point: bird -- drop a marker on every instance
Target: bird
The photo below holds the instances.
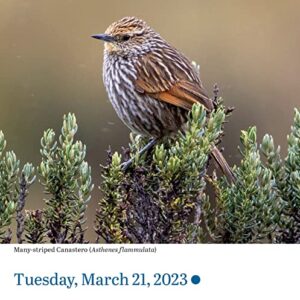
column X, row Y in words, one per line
column 152, row 86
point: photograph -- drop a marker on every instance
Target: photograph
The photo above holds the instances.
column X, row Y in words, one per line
column 149, row 149
column 149, row 122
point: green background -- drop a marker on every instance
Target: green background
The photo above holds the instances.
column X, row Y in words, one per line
column 49, row 66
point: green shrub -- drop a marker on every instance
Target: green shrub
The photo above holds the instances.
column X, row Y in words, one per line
column 163, row 197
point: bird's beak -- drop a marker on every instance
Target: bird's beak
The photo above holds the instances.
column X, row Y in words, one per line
column 104, row 37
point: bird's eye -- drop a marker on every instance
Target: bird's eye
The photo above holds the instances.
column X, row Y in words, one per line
column 125, row 37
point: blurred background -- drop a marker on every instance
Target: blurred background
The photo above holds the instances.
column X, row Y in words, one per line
column 50, row 66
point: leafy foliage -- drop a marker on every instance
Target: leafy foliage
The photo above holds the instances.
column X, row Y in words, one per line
column 164, row 196
column 248, row 210
column 9, row 169
column 35, row 227
column 26, row 180
column 287, row 179
column 67, row 178
column 159, row 198
column 13, row 189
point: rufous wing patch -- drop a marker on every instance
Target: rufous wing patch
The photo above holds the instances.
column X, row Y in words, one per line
column 183, row 94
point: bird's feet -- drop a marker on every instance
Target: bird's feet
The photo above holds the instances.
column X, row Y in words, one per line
column 125, row 165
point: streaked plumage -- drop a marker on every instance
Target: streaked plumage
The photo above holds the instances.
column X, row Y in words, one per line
column 150, row 84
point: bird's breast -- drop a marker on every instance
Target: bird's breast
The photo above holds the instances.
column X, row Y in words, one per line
column 141, row 113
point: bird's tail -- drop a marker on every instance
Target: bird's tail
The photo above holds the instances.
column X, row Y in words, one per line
column 221, row 161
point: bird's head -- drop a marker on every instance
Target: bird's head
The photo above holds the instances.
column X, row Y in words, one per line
column 127, row 37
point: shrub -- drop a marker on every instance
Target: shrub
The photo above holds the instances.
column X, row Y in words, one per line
column 163, row 196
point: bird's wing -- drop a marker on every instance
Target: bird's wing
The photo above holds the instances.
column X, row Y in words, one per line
column 171, row 78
